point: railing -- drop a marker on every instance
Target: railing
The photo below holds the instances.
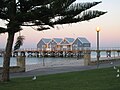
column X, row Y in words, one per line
column 92, row 49
column 2, row 50
column 106, row 48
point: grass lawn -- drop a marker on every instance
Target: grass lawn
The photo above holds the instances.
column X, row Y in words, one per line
column 99, row 79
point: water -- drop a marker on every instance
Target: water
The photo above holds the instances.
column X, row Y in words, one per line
column 103, row 54
column 34, row 60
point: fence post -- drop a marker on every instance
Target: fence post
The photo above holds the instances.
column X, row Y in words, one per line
column 87, row 57
column 21, row 62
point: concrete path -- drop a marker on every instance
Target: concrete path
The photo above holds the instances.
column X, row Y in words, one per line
column 62, row 69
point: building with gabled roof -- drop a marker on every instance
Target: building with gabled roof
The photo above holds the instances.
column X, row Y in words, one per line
column 83, row 40
column 81, row 43
column 54, row 44
column 43, row 44
column 66, row 44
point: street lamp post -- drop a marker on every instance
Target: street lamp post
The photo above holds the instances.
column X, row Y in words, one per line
column 98, row 52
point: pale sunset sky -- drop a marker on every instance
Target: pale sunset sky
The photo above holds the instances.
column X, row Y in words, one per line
column 109, row 24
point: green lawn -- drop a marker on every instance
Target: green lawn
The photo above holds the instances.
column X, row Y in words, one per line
column 99, row 79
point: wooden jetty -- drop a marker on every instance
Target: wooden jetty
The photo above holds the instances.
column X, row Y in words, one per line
column 34, row 52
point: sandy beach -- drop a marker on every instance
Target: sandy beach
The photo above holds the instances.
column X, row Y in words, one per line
column 55, row 64
column 61, row 63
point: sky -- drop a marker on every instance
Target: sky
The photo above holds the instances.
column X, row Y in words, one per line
column 108, row 23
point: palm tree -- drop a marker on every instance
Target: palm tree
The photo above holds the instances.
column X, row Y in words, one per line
column 41, row 13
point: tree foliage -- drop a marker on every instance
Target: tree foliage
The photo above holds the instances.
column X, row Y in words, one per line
column 41, row 13
column 44, row 13
column 19, row 42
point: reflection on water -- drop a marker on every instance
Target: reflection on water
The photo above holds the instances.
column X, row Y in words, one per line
column 35, row 60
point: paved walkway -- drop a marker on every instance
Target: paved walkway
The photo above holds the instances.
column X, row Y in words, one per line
column 54, row 70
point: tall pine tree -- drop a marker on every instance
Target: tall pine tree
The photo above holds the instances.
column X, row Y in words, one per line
column 41, row 13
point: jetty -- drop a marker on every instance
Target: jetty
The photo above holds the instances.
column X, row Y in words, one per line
column 84, row 55
column 35, row 52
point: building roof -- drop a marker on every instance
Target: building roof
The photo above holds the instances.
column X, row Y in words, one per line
column 70, row 40
column 46, row 40
column 83, row 40
column 57, row 40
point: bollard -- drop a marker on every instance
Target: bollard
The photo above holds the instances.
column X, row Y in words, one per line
column 87, row 57
column 21, row 62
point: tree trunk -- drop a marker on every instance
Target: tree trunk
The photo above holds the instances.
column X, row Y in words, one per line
column 7, row 55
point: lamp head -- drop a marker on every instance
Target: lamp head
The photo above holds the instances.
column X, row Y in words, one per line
column 98, row 29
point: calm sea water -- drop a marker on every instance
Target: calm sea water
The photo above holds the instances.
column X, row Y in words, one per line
column 35, row 60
